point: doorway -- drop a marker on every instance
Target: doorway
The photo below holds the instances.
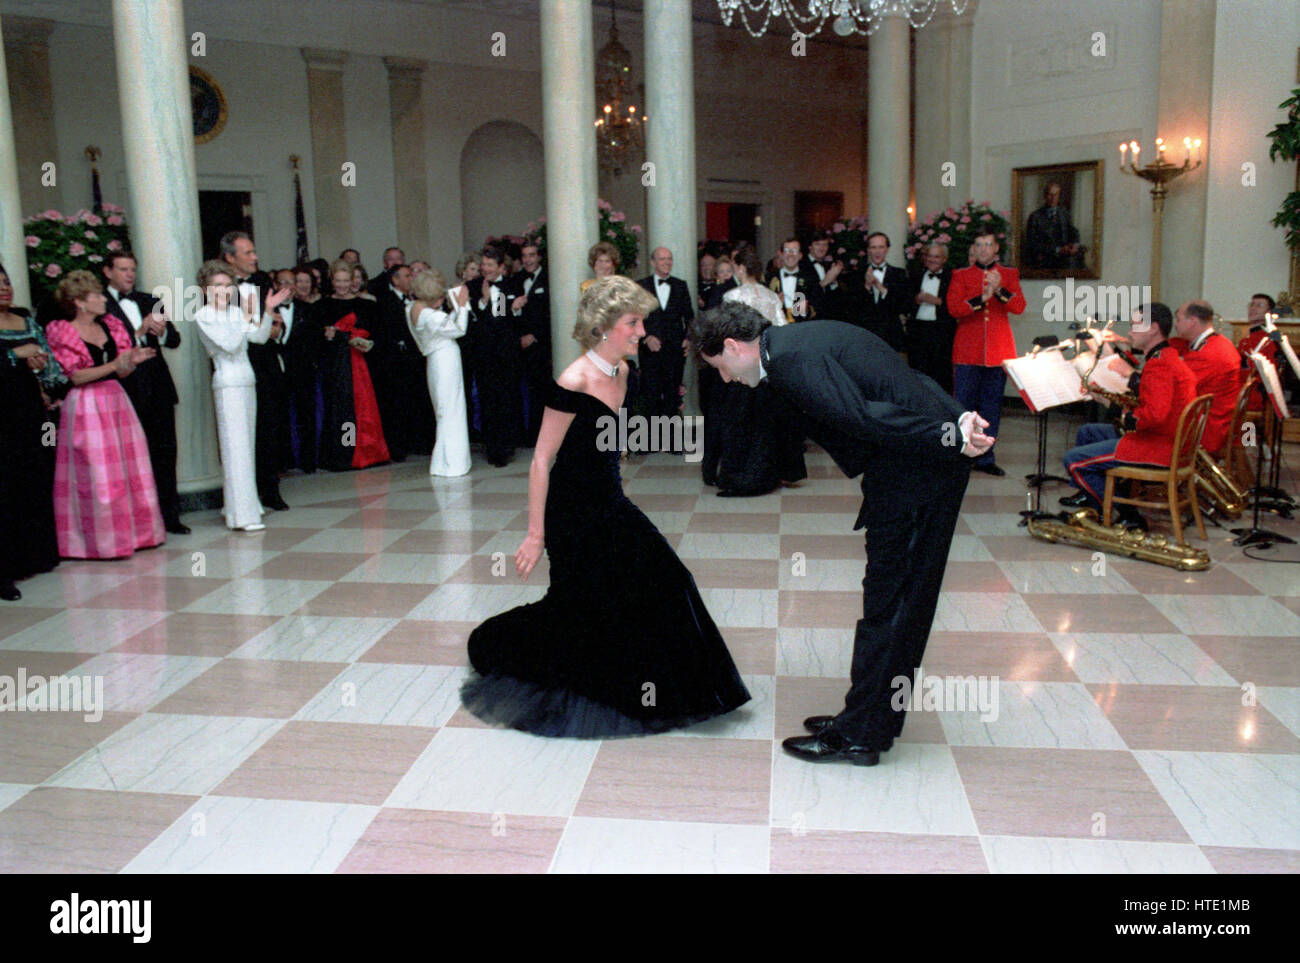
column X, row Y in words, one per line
column 731, row 222
column 221, row 212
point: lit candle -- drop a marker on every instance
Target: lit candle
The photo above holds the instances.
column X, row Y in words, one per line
column 1123, row 153
column 1197, row 144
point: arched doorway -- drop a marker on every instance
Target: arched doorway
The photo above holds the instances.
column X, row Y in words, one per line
column 502, row 181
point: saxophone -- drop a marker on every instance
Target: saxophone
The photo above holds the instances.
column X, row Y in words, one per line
column 1081, row 527
column 1218, row 487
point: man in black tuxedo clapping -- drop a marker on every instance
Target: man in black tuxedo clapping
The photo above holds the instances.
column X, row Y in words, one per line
column 150, row 387
column 661, row 355
column 530, row 304
column 931, row 328
column 886, row 293
column 497, row 359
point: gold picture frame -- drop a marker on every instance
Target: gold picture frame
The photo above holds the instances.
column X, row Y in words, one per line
column 1081, row 185
column 207, row 105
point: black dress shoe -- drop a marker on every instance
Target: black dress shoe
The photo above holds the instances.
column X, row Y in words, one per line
column 178, row 528
column 275, row 504
column 829, row 746
column 1077, row 500
column 9, row 591
column 993, row 470
column 816, row 724
column 1130, row 517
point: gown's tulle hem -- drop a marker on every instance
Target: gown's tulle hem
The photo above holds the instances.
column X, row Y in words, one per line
column 562, row 713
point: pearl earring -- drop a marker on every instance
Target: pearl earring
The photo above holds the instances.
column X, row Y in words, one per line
column 604, row 337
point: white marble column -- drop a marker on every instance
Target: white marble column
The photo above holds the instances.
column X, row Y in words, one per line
column 670, row 146
column 569, row 139
column 13, row 252
column 888, row 147
column 154, row 92
column 31, row 102
column 329, row 149
column 943, row 79
column 410, row 171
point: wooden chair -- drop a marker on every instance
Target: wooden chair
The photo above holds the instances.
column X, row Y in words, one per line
column 1236, row 462
column 1179, row 479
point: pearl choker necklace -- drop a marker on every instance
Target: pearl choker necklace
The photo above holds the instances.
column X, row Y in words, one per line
column 602, row 364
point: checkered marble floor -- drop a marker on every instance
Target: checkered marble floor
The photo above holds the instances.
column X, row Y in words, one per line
column 287, row 702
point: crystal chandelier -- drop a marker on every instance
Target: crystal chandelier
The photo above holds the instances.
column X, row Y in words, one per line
column 849, row 16
column 620, row 128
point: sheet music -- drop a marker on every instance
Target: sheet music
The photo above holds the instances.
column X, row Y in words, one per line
column 1045, row 381
column 1111, row 374
column 1272, row 383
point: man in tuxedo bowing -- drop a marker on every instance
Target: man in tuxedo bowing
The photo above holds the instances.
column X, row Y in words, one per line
column 886, row 294
column 497, row 361
column 912, row 445
column 150, row 387
column 930, row 329
column 982, row 297
column 661, row 357
column 530, row 304
column 271, row 439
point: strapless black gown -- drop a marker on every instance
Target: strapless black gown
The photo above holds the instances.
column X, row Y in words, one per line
column 622, row 644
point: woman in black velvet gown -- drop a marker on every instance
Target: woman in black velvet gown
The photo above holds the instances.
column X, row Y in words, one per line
column 622, row 644
column 27, row 370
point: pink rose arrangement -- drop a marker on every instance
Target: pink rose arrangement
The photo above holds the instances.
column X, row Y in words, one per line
column 613, row 228
column 57, row 243
column 957, row 228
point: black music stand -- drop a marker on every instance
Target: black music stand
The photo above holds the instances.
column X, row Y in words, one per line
column 1282, row 506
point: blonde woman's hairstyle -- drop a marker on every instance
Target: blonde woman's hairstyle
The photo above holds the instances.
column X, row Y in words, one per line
column 465, row 261
column 211, row 269
column 429, row 286
column 607, row 249
column 605, row 302
column 73, row 288
column 337, row 265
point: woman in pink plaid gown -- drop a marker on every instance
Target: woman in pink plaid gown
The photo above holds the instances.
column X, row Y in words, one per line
column 105, row 502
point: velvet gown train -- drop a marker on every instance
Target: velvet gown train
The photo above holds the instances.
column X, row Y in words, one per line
column 622, row 644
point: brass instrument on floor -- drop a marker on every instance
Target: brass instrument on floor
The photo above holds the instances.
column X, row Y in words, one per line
column 1081, row 527
column 1218, row 486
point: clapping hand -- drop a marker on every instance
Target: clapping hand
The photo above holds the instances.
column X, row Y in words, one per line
column 979, row 442
column 155, row 324
column 518, row 303
column 653, row 343
column 462, row 295
column 329, row 332
column 527, row 555
column 277, row 298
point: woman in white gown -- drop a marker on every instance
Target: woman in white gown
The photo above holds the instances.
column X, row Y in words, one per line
column 761, row 445
column 226, row 332
column 437, row 317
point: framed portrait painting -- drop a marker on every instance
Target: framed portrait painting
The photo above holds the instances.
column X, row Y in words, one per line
column 1056, row 220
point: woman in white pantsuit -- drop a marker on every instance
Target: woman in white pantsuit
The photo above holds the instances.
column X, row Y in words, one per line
column 226, row 331
column 437, row 318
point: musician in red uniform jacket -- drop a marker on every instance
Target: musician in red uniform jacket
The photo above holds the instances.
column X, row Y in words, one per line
column 980, row 298
column 1257, row 339
column 1167, row 386
column 1216, row 363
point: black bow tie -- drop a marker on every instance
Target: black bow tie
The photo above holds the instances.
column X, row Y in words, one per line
column 661, row 281
column 930, row 274
column 789, row 274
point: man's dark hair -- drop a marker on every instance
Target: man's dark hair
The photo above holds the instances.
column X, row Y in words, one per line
column 795, row 240
column 1159, row 314
column 494, row 252
column 228, row 242
column 988, row 233
column 730, row 320
column 1271, row 303
column 1200, row 310
column 352, row 249
column 394, row 248
column 112, row 257
column 879, row 234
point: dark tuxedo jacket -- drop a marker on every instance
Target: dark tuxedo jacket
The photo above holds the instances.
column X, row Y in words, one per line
column 265, row 358
column 714, row 298
column 302, row 348
column 379, row 284
column 941, row 312
column 669, row 325
column 808, row 284
column 535, row 318
column 150, row 385
column 829, row 304
column 874, row 415
column 882, row 316
column 394, row 336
